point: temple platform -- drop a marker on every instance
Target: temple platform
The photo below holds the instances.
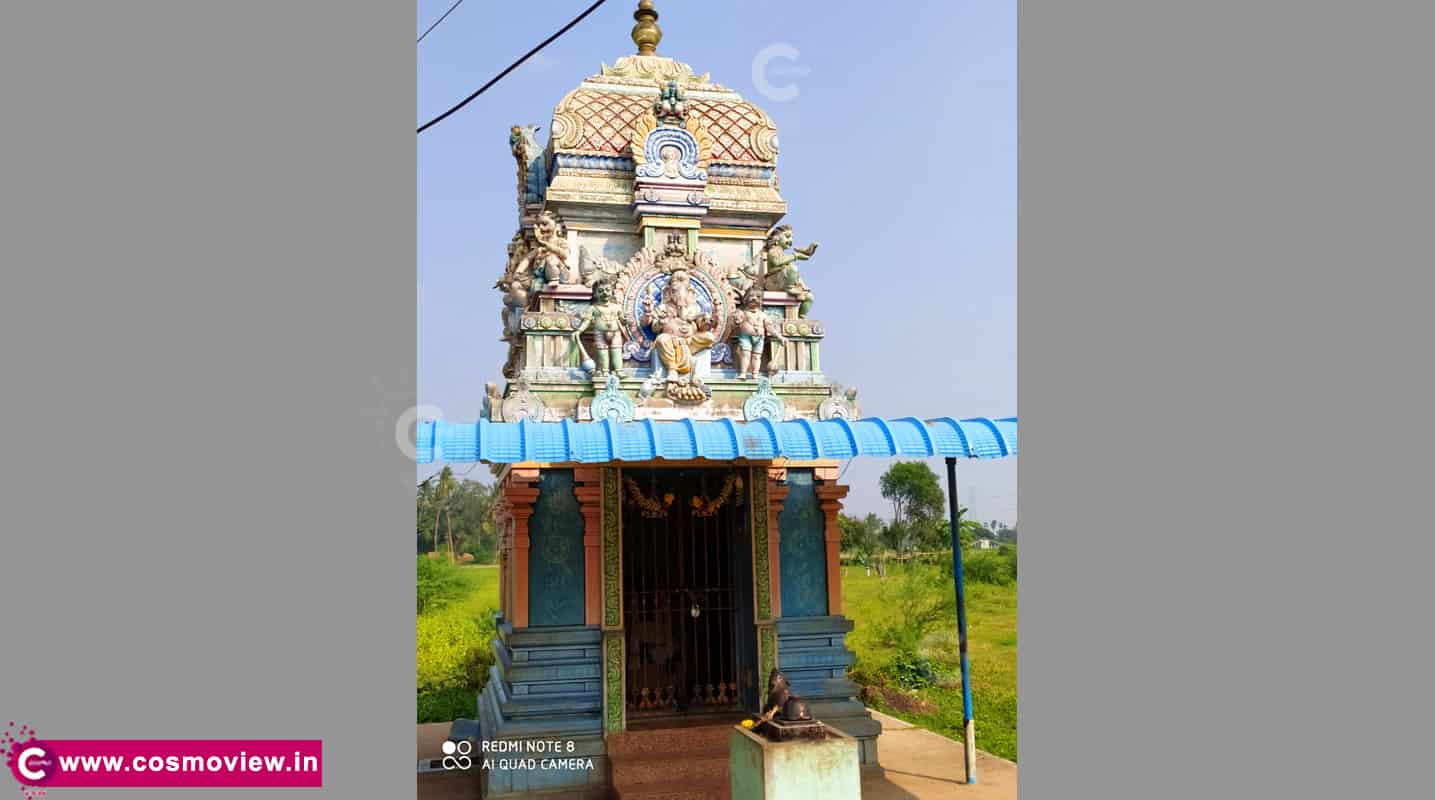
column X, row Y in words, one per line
column 690, row 763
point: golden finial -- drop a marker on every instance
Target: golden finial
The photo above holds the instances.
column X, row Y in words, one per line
column 646, row 34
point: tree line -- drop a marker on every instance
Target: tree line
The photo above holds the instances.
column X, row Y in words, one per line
column 455, row 518
column 920, row 521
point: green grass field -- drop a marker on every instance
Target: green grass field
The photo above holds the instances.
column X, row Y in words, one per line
column 991, row 627
column 991, row 647
column 483, row 600
column 479, row 602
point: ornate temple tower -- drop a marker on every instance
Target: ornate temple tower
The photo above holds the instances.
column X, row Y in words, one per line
column 646, row 251
column 649, row 279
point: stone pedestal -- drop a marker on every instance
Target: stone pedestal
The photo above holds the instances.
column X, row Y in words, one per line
column 797, row 770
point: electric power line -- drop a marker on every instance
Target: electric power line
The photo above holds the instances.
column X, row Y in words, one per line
column 511, row 67
column 440, row 19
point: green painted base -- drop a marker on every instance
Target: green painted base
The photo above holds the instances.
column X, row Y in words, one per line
column 798, row 770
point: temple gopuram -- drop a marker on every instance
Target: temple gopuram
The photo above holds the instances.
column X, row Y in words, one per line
column 666, row 440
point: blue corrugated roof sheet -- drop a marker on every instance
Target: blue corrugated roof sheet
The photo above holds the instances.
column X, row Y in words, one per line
column 718, row 440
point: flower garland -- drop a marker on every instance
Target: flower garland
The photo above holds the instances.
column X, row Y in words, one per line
column 650, row 508
column 703, row 507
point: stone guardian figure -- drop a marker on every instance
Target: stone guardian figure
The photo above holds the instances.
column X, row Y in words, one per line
column 606, row 319
column 550, row 253
column 753, row 328
column 782, row 273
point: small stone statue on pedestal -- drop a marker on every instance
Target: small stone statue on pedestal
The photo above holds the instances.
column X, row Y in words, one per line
column 782, row 273
column 550, row 253
column 786, row 717
column 606, row 319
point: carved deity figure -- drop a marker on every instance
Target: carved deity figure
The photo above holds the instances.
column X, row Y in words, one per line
column 515, row 143
column 782, row 273
column 743, row 279
column 523, row 141
column 519, row 147
column 672, row 158
column 671, row 108
column 514, row 285
column 781, row 702
column 683, row 330
column 606, row 319
column 753, row 328
column 550, row 254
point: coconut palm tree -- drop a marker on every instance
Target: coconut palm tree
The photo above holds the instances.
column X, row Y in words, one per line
column 441, row 494
column 425, row 501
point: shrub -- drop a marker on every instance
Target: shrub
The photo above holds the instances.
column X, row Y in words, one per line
column 482, row 659
column 911, row 670
column 447, row 705
column 453, row 651
column 919, row 600
column 989, row 567
column 439, row 583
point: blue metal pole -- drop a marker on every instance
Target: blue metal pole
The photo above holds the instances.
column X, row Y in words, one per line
column 969, row 745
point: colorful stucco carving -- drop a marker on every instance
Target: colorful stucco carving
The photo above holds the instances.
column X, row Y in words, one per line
column 649, row 250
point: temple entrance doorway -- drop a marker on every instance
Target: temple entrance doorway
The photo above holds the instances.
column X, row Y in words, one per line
column 687, row 592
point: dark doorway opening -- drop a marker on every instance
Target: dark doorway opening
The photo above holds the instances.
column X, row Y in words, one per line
column 687, row 592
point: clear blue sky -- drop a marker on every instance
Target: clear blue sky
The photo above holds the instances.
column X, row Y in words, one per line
column 898, row 156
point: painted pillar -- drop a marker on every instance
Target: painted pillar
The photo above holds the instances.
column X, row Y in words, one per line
column 614, row 704
column 803, row 574
column 520, row 490
column 503, row 520
column 503, row 603
column 588, row 486
column 829, row 496
column 776, row 497
column 555, row 554
column 767, row 498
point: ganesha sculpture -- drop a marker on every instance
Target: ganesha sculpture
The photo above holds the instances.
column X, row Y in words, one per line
column 684, row 330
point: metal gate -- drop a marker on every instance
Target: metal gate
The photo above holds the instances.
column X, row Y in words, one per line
column 687, row 591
